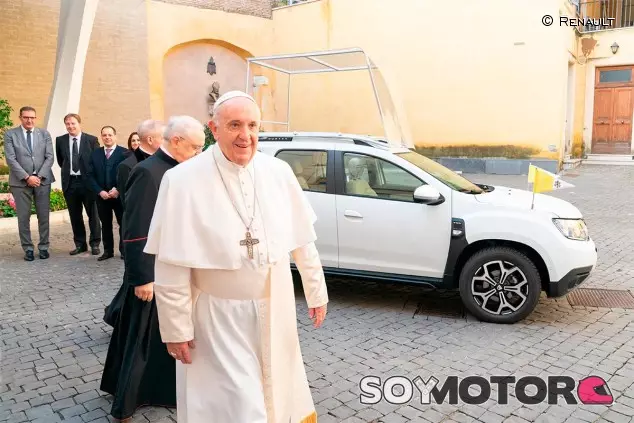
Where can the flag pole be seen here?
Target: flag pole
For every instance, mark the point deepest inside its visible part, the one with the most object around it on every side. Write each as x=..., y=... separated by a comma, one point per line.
x=533, y=189
x=528, y=184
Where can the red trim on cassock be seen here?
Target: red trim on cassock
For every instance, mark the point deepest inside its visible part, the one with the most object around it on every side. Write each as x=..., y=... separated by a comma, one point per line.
x=135, y=239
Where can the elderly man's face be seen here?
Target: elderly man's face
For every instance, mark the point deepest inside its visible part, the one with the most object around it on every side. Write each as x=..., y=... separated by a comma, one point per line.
x=186, y=147
x=237, y=130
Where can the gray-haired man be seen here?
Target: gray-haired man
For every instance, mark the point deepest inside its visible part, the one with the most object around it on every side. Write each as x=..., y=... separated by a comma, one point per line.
x=138, y=370
x=29, y=155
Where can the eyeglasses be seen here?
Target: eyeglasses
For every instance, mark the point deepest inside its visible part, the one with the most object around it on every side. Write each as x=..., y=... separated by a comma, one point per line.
x=196, y=148
x=28, y=117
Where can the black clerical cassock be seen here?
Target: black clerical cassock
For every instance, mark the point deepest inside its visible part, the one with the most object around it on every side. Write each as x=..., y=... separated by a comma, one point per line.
x=138, y=370
x=112, y=310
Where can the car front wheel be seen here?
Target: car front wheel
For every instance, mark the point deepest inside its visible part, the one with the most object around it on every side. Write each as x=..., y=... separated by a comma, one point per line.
x=500, y=285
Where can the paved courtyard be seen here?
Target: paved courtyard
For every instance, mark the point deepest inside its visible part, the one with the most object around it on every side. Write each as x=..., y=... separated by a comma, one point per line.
x=54, y=340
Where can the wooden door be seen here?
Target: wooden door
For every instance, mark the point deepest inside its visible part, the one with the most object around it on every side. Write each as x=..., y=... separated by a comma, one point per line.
x=602, y=125
x=613, y=109
x=621, y=139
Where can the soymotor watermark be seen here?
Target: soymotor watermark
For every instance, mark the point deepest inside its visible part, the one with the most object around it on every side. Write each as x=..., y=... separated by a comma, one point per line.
x=590, y=390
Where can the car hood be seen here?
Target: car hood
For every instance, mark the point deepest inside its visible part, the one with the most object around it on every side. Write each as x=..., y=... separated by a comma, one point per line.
x=522, y=199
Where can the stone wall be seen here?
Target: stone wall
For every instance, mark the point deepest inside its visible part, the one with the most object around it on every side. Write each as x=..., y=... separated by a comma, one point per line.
x=115, y=88
x=261, y=8
x=27, y=53
x=187, y=84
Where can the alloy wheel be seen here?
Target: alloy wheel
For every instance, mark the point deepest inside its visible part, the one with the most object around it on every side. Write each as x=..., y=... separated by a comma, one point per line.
x=499, y=287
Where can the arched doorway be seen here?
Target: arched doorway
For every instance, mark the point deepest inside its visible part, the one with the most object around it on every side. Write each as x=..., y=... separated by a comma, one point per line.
x=194, y=70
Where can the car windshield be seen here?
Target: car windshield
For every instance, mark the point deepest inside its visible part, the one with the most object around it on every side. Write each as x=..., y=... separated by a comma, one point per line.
x=440, y=172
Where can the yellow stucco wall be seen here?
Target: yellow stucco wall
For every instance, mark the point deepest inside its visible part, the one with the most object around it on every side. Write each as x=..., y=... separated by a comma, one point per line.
x=470, y=73
x=600, y=56
x=473, y=75
x=171, y=26
x=579, y=111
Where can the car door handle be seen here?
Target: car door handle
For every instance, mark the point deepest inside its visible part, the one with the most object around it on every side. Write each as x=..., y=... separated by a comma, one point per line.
x=352, y=213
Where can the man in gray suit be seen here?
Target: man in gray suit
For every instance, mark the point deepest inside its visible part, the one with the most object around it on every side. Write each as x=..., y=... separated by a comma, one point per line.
x=29, y=155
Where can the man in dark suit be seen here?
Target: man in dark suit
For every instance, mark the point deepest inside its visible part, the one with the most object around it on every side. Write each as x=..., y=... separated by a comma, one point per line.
x=150, y=139
x=138, y=369
x=73, y=154
x=102, y=179
x=29, y=154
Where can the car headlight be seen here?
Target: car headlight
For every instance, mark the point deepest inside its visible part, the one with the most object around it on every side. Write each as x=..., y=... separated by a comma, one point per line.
x=573, y=228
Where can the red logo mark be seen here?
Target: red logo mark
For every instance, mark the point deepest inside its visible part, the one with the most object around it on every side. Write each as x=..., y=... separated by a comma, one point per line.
x=594, y=390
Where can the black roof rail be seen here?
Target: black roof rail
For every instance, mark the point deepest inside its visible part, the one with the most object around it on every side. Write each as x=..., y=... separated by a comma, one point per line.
x=274, y=138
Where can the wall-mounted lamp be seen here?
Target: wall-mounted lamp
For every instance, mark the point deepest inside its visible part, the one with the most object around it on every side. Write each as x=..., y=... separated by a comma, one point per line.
x=614, y=47
x=260, y=80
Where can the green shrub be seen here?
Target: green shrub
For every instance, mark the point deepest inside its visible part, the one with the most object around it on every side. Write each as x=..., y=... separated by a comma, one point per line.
x=7, y=207
x=478, y=151
x=6, y=210
x=5, y=123
x=209, y=137
x=58, y=202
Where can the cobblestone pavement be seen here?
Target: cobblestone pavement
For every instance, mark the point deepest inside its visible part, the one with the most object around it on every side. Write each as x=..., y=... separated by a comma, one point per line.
x=54, y=341
x=605, y=196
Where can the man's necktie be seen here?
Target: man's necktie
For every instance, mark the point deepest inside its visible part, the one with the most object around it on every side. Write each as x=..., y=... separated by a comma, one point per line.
x=75, y=158
x=108, y=153
x=29, y=141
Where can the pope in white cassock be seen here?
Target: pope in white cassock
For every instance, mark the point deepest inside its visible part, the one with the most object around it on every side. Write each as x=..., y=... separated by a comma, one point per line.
x=222, y=230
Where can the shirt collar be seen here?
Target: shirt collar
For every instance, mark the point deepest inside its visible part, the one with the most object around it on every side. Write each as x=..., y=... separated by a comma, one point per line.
x=228, y=164
x=165, y=151
x=78, y=136
x=24, y=130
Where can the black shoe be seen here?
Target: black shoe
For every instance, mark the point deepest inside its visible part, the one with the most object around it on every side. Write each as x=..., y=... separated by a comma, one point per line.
x=95, y=251
x=78, y=250
x=28, y=256
x=105, y=256
x=44, y=254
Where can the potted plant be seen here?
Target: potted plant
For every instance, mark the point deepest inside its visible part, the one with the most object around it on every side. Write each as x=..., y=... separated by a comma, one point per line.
x=209, y=137
x=5, y=122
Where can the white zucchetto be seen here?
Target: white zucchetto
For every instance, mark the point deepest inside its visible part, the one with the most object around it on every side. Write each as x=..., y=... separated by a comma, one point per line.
x=229, y=95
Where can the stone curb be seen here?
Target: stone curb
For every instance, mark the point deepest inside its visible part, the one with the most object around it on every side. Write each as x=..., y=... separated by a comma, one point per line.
x=9, y=225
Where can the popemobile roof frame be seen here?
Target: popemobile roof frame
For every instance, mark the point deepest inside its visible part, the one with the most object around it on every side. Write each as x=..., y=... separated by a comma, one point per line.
x=319, y=62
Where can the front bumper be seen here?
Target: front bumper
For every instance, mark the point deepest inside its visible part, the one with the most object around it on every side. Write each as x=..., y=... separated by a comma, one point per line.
x=572, y=280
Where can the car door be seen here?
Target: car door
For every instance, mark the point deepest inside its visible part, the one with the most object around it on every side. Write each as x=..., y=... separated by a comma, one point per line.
x=314, y=169
x=380, y=227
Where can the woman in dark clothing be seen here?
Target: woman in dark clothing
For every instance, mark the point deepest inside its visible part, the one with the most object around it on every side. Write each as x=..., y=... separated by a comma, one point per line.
x=134, y=141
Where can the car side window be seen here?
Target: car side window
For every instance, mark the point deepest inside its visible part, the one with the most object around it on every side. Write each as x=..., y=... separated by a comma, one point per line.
x=308, y=166
x=368, y=176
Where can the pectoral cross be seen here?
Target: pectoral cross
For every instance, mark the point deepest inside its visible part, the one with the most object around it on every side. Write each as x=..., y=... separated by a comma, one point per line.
x=249, y=242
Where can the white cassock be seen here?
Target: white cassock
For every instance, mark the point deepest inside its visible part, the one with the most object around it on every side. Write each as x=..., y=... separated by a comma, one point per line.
x=247, y=366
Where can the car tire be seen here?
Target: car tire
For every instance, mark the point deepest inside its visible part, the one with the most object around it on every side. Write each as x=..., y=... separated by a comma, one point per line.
x=482, y=288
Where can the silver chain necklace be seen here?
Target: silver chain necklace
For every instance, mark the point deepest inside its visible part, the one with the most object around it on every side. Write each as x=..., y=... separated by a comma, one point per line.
x=249, y=241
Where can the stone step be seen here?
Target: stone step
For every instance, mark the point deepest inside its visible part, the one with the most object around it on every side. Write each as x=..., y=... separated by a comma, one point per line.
x=609, y=157
x=608, y=163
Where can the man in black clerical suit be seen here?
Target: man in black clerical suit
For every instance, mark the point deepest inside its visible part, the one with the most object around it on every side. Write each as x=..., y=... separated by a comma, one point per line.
x=73, y=152
x=150, y=139
x=102, y=179
x=138, y=369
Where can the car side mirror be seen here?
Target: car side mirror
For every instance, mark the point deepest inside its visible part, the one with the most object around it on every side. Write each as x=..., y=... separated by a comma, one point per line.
x=427, y=194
